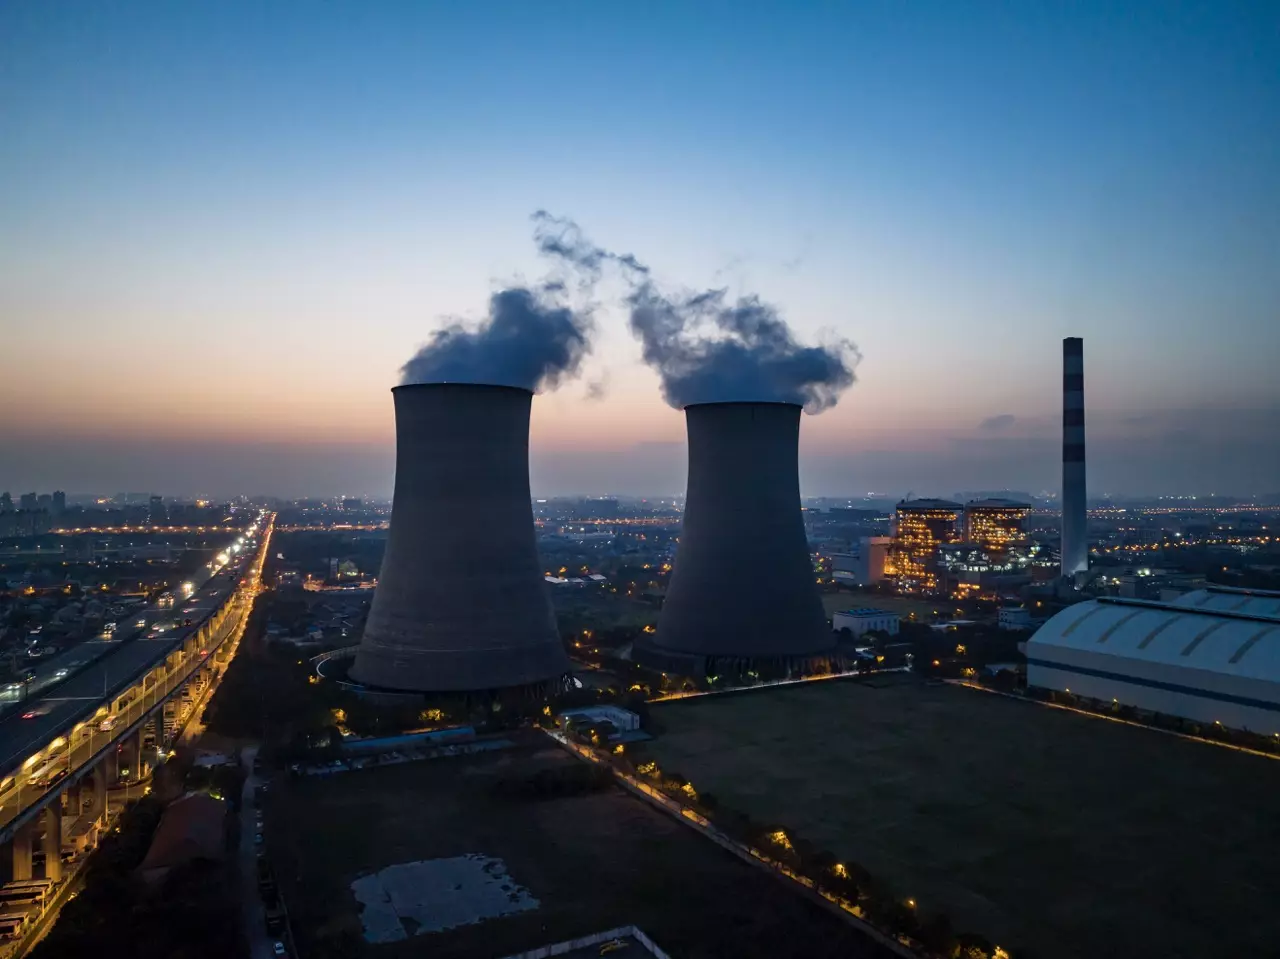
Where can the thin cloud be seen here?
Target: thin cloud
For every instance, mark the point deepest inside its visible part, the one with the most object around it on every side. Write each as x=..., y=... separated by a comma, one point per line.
x=994, y=424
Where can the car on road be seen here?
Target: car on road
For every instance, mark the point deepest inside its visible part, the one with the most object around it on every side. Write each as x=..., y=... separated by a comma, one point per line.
x=278, y=949
x=62, y=674
x=38, y=711
x=257, y=839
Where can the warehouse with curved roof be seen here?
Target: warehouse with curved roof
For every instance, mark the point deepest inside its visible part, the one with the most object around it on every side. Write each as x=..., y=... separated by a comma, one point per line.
x=1259, y=602
x=1200, y=662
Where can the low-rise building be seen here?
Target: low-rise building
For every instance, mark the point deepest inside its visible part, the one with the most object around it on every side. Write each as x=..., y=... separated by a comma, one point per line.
x=622, y=720
x=865, y=620
x=1014, y=617
x=864, y=564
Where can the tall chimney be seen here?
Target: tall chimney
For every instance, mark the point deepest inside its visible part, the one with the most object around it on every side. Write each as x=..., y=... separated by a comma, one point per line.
x=1075, y=524
x=743, y=585
x=461, y=603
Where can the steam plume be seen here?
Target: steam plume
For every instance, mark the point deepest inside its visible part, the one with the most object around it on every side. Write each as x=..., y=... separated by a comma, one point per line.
x=705, y=348
x=531, y=338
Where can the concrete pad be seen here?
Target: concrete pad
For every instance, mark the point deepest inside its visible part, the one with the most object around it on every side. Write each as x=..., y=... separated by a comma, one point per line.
x=412, y=898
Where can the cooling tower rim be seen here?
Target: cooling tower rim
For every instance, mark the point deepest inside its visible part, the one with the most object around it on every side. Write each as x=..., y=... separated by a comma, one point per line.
x=689, y=406
x=456, y=383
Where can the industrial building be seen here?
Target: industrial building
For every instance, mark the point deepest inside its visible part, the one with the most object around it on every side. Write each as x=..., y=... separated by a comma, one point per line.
x=1256, y=602
x=995, y=524
x=1201, y=663
x=866, y=620
x=995, y=557
x=623, y=721
x=865, y=564
x=461, y=604
x=1013, y=617
x=742, y=513
x=921, y=527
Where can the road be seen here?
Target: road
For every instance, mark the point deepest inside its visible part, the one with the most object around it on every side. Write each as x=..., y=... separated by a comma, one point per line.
x=60, y=733
x=69, y=661
x=255, y=919
x=17, y=741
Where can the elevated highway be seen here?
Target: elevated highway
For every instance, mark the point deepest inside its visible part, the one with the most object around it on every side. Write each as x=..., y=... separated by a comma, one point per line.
x=61, y=750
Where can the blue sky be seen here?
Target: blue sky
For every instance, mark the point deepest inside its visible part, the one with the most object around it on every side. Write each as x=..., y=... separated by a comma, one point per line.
x=227, y=225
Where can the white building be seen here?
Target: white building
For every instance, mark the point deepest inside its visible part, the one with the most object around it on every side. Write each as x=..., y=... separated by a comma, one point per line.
x=623, y=720
x=1204, y=664
x=864, y=565
x=1014, y=617
x=1256, y=602
x=866, y=619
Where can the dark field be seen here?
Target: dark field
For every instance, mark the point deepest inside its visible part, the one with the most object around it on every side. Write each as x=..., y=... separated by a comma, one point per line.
x=1033, y=826
x=594, y=861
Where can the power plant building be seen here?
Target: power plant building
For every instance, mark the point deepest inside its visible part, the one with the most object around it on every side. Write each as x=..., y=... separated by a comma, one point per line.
x=1198, y=662
x=742, y=513
x=865, y=564
x=921, y=527
x=461, y=605
x=995, y=524
x=995, y=555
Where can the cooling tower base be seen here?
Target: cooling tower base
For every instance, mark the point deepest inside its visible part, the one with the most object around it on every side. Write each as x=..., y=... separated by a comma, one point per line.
x=339, y=670
x=469, y=671
x=702, y=666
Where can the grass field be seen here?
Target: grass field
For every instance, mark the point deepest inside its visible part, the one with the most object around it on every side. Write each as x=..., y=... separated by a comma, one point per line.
x=1033, y=826
x=593, y=862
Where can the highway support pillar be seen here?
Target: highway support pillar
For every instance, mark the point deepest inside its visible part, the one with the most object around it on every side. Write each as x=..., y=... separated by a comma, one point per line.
x=129, y=757
x=72, y=800
x=98, y=808
x=21, y=843
x=53, y=842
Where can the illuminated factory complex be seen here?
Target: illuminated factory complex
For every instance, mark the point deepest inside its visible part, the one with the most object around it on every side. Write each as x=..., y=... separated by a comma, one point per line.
x=921, y=527
x=971, y=551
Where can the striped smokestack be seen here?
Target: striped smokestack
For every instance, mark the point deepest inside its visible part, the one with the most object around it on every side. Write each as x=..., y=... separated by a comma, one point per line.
x=1075, y=536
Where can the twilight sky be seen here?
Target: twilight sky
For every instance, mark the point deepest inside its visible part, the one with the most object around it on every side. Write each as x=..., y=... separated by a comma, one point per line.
x=224, y=227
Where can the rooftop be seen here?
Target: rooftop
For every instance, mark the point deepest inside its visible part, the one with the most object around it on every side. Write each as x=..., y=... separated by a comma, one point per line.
x=927, y=504
x=1229, y=642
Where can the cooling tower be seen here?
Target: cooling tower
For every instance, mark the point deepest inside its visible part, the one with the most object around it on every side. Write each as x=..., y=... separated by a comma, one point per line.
x=1075, y=528
x=461, y=603
x=743, y=583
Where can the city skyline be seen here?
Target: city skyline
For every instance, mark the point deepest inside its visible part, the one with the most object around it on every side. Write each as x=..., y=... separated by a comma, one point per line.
x=227, y=229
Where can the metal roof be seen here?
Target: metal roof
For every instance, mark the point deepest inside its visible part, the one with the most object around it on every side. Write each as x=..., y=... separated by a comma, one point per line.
x=1227, y=642
x=1249, y=601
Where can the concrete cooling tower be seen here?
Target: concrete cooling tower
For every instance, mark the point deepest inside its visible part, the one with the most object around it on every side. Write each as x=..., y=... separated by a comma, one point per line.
x=743, y=583
x=461, y=604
